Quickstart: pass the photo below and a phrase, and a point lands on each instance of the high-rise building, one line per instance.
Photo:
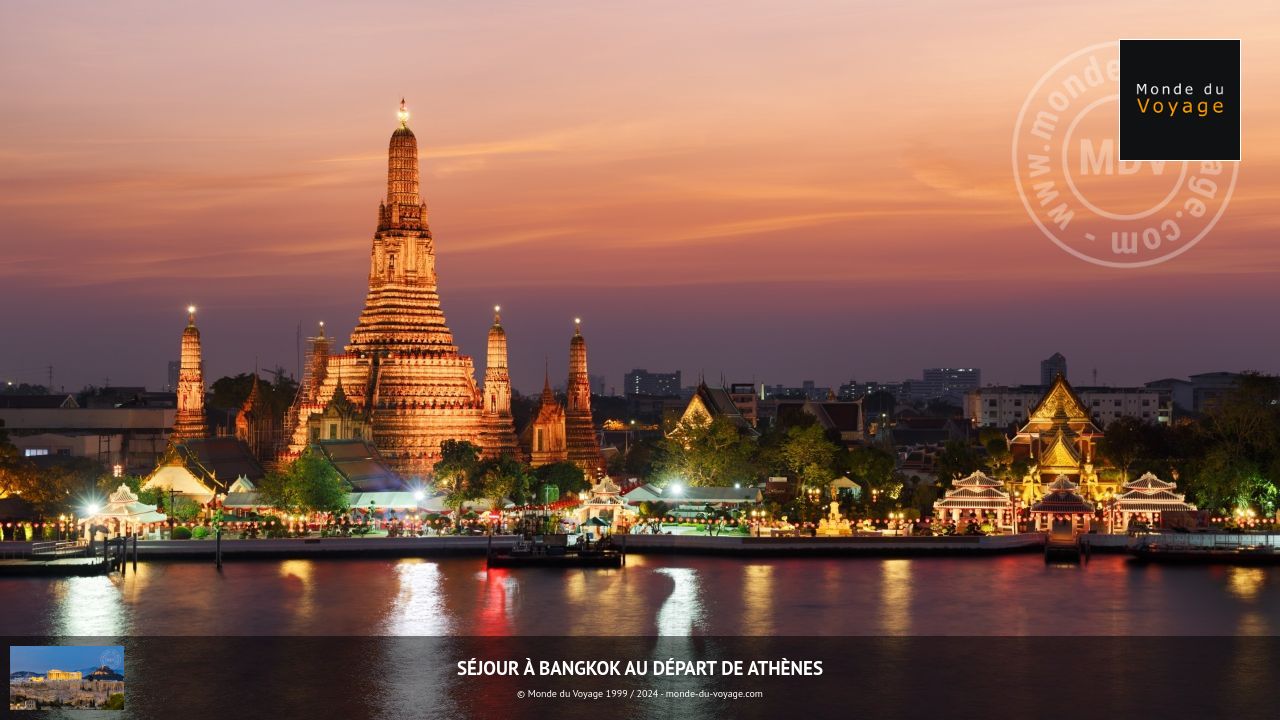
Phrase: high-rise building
(599, 385)
(190, 421)
(654, 384)
(175, 366)
(1051, 367)
(949, 383)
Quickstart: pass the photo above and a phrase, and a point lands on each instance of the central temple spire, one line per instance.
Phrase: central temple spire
(402, 169)
(402, 310)
(189, 423)
(402, 372)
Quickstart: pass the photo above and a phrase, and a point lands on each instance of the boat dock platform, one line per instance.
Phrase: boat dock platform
(1222, 548)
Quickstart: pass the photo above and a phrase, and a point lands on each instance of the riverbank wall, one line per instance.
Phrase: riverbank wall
(727, 546)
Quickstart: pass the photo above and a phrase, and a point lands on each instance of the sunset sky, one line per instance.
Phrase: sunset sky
(774, 191)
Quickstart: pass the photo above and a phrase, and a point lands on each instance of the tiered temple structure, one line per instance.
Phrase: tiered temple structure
(190, 422)
(307, 402)
(545, 435)
(580, 431)
(257, 425)
(498, 434)
(1062, 506)
(975, 497)
(1146, 500)
(401, 371)
(1059, 439)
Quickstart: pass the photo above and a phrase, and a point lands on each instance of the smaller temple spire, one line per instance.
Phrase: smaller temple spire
(497, 318)
(403, 114)
(191, 314)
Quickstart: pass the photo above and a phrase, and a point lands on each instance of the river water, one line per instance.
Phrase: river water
(652, 595)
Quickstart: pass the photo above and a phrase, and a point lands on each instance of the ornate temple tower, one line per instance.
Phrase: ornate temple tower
(190, 422)
(580, 432)
(547, 431)
(401, 369)
(256, 424)
(498, 427)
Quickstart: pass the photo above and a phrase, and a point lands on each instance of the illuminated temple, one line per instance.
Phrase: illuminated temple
(190, 422)
(1059, 439)
(401, 373)
(566, 433)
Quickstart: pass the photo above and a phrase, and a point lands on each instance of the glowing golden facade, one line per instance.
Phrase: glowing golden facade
(1059, 439)
(401, 371)
(580, 433)
(498, 433)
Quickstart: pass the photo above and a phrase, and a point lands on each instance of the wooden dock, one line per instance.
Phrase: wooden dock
(68, 559)
(61, 567)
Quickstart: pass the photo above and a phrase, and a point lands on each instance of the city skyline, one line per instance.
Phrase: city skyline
(775, 215)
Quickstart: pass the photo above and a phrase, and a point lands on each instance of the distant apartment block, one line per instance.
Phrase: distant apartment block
(808, 390)
(641, 382)
(854, 390)
(946, 383)
(1003, 406)
(1198, 393)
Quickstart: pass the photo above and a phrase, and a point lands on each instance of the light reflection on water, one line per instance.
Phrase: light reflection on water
(672, 596)
(681, 612)
(757, 594)
(418, 609)
(895, 597)
(1246, 582)
(87, 606)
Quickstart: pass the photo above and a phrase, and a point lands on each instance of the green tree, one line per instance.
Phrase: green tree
(567, 477)
(873, 467)
(308, 484)
(957, 459)
(1241, 454)
(457, 473)
(706, 452)
(809, 455)
(505, 477)
(1123, 442)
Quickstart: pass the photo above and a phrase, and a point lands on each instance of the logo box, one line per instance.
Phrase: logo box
(1180, 100)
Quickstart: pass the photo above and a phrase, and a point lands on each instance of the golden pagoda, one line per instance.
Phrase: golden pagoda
(401, 370)
(190, 422)
(1059, 439)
